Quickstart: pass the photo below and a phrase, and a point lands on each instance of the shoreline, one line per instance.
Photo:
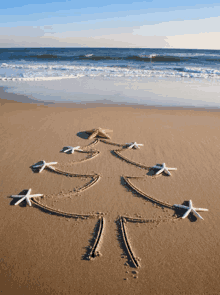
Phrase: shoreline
(148, 92)
(6, 97)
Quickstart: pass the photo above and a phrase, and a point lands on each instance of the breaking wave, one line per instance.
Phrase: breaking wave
(45, 71)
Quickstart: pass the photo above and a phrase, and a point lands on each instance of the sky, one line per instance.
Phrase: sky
(116, 23)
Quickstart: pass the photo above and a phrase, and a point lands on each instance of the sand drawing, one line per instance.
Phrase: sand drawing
(91, 153)
(111, 143)
(132, 259)
(94, 177)
(92, 143)
(93, 250)
(118, 153)
(129, 251)
(50, 210)
(146, 196)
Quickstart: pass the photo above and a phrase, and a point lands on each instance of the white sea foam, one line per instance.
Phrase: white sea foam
(56, 71)
(89, 55)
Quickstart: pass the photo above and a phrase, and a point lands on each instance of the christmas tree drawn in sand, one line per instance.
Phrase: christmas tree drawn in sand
(99, 136)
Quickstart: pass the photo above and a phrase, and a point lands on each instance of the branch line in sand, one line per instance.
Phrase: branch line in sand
(69, 173)
(62, 213)
(92, 143)
(140, 192)
(117, 152)
(144, 220)
(126, 243)
(94, 250)
(92, 154)
(141, 220)
(110, 142)
(96, 177)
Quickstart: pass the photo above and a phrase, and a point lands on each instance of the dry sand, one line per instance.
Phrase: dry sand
(42, 253)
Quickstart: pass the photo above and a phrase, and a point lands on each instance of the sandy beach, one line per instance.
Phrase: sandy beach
(44, 252)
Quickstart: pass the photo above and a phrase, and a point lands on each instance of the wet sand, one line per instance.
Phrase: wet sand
(44, 252)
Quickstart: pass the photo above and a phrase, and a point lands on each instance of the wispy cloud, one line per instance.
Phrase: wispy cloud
(149, 24)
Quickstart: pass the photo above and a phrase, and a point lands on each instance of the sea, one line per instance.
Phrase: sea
(19, 65)
(58, 63)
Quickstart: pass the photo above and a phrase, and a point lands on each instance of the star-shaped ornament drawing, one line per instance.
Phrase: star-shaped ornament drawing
(133, 145)
(99, 132)
(70, 149)
(26, 197)
(192, 209)
(43, 165)
(162, 168)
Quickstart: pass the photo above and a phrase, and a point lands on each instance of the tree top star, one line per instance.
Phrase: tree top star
(99, 132)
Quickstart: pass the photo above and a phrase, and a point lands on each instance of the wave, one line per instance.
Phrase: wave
(143, 55)
(89, 55)
(45, 71)
(95, 57)
(43, 56)
(140, 58)
(144, 58)
(40, 78)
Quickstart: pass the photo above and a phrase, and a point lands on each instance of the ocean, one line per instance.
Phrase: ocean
(20, 66)
(57, 63)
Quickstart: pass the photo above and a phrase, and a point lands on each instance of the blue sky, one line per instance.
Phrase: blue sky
(152, 24)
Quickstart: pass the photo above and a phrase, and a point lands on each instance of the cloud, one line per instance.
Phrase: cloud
(198, 34)
(102, 37)
(180, 27)
(195, 41)
(111, 40)
(22, 31)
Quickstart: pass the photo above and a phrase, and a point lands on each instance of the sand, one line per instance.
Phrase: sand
(44, 253)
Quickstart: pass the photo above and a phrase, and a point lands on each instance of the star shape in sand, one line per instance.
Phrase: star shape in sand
(134, 145)
(71, 149)
(190, 208)
(162, 168)
(26, 197)
(43, 165)
(99, 132)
